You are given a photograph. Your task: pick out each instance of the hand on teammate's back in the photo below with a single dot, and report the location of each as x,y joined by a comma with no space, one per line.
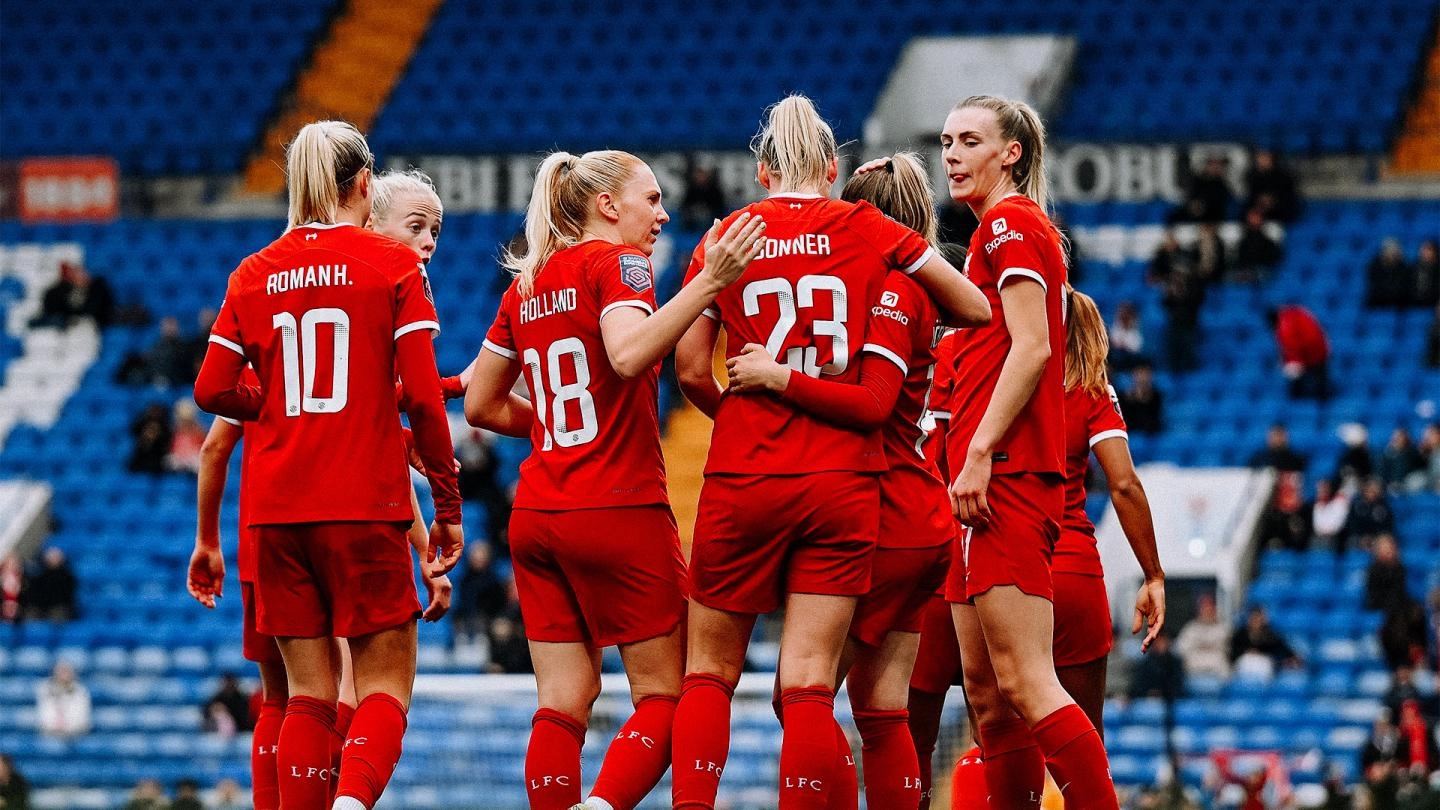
727,256
753,369
447,543
206,579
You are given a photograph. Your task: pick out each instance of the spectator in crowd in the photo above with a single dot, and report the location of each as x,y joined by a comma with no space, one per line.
1169,259
480,594
1401,466
479,479
1370,516
1270,188
1159,673
1212,261
232,704
152,435
1284,522
227,795
1430,452
704,200
170,361
1208,197
1385,578
1356,462
62,703
187,796
1425,291
1403,688
1203,643
1328,514
1142,402
186,439
1304,351
1404,632
1182,293
14,788
12,588
147,795
1388,278
1257,255
1277,454
200,341
75,296
1127,340
1258,649
51,595
509,652
1385,746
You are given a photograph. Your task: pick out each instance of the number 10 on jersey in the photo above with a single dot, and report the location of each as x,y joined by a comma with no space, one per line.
297,342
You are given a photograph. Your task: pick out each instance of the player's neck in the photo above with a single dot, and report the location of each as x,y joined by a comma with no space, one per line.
352,214
601,231
804,191
998,193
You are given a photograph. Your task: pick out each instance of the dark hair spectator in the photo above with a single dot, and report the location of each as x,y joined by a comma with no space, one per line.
704,200
1142,402
13,584
187,796
152,435
1385,578
479,480
1270,188
480,593
1208,197
228,710
1401,466
1203,643
1370,516
1388,278
1127,338
14,787
1159,673
1425,290
76,295
1403,688
1182,293
1212,258
147,795
1257,255
1169,258
169,361
1304,351
1277,453
509,652
1284,522
51,595
1328,514
1404,633
1256,642
1356,462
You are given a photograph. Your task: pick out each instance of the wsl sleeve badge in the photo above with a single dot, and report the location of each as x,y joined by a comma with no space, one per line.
425,283
635,272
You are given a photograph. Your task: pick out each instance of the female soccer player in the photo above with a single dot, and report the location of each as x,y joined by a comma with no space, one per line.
791,505
1094,424
916,526
1006,451
329,315
596,551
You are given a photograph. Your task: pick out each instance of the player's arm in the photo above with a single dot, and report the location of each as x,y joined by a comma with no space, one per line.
862,406
1024,302
415,361
1133,509
490,402
695,365
206,578
437,585
961,303
218,388
635,340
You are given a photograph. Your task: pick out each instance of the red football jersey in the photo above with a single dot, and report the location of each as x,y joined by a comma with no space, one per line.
1089,420
245,552
317,313
904,328
1015,240
939,405
596,438
806,300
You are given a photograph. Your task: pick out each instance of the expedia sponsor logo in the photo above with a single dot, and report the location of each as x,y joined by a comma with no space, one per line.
1000,240
998,226
892,314
889,298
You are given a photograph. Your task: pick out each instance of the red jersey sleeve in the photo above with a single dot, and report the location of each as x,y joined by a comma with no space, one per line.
1013,246
226,329
501,337
1105,420
697,263
894,319
623,278
863,407
944,384
903,249
414,304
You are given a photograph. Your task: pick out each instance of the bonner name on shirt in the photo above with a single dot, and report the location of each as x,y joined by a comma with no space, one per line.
806,244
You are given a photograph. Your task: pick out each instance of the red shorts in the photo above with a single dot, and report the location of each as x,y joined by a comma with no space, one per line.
1083,632
255,645
315,580
598,576
759,537
937,664
902,583
1015,547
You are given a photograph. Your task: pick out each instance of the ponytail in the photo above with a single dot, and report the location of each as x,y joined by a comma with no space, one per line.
795,144
1087,347
901,190
322,165
560,203
1020,123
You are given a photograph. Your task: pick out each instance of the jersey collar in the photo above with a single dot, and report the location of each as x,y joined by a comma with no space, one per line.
325,226
794,195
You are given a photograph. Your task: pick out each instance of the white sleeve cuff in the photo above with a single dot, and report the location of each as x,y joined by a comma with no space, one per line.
229,344
920,262
501,350
876,348
1022,271
939,415
227,420
433,326
711,313
636,304
1108,434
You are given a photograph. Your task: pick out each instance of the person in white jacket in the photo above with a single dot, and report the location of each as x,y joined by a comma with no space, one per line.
1204,642
62,703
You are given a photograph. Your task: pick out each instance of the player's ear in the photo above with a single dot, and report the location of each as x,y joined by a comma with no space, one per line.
832,171
1012,154
605,204
762,175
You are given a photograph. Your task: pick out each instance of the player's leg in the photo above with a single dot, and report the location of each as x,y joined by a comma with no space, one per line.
1083,638
639,754
812,639
344,709
384,667
567,679
305,746
1086,684
937,667
1014,765
879,685
715,658
275,691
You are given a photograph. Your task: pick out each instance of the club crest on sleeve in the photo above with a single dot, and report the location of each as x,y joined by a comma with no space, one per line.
889,298
1114,400
425,283
635,272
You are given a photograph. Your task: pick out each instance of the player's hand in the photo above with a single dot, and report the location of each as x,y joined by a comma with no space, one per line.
753,369
872,166
438,590
206,578
1149,611
727,256
967,494
447,543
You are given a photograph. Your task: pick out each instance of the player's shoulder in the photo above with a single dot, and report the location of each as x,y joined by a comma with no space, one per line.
903,292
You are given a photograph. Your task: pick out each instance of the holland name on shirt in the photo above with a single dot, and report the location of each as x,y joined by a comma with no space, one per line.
316,275
539,305
806,244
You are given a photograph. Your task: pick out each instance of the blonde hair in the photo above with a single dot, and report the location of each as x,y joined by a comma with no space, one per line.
1086,345
388,186
565,185
1019,122
795,144
901,191
321,165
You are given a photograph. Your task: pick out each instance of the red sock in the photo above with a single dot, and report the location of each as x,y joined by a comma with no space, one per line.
1076,759
372,748
924,731
892,772
552,760
807,747
265,787
639,755
698,755
1014,766
303,752
344,714
845,793
967,783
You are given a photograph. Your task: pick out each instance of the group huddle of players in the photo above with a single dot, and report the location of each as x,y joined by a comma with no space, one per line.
898,461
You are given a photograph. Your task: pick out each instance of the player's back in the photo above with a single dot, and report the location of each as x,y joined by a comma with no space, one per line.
317,313
806,299
596,438
1089,419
